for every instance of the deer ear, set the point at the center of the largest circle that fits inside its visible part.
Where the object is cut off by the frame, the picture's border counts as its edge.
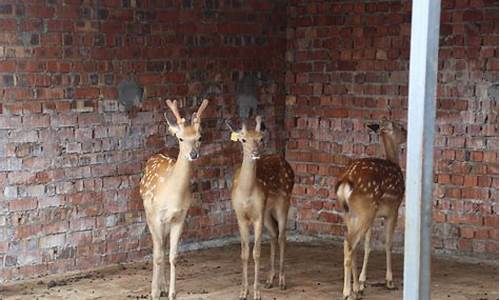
(263, 126)
(229, 125)
(404, 133)
(258, 123)
(172, 127)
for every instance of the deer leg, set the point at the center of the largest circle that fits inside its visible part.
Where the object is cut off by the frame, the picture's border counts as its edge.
(347, 257)
(245, 253)
(175, 233)
(347, 269)
(362, 276)
(256, 256)
(272, 228)
(356, 228)
(355, 282)
(158, 261)
(163, 269)
(282, 221)
(389, 232)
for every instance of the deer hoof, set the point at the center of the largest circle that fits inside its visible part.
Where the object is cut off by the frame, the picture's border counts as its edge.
(282, 283)
(155, 295)
(362, 286)
(256, 296)
(389, 284)
(243, 294)
(352, 296)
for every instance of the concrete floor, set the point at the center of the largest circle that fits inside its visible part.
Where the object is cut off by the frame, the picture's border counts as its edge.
(313, 272)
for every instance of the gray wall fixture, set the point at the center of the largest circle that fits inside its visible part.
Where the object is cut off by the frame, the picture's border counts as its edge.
(246, 96)
(130, 94)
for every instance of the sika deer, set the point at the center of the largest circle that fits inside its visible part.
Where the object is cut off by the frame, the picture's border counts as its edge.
(165, 190)
(370, 188)
(260, 194)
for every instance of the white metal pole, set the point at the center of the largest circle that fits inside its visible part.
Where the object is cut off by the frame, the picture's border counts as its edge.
(419, 175)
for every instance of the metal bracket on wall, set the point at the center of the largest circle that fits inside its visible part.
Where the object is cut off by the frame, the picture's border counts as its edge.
(130, 94)
(246, 96)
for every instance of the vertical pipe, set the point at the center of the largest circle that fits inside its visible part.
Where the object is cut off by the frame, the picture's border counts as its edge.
(419, 175)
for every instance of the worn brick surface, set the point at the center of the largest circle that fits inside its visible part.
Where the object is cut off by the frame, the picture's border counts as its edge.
(71, 156)
(347, 61)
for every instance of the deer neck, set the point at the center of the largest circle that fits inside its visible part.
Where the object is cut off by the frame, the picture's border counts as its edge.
(181, 172)
(391, 149)
(248, 172)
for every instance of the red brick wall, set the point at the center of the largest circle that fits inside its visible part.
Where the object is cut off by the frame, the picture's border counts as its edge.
(71, 157)
(347, 61)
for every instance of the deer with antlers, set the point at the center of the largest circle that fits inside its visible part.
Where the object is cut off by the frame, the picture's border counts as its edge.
(370, 188)
(260, 195)
(166, 194)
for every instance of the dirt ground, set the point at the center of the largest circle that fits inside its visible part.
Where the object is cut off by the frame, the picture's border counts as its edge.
(313, 272)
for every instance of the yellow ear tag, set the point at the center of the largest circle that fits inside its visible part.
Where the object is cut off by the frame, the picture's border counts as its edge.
(234, 136)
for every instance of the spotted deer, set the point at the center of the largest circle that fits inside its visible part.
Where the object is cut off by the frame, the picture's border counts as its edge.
(260, 195)
(165, 190)
(370, 188)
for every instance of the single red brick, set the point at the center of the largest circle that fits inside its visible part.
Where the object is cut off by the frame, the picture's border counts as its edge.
(22, 204)
(493, 234)
(465, 245)
(467, 232)
(81, 93)
(457, 179)
(470, 180)
(482, 234)
(474, 193)
(484, 181)
(491, 221)
(491, 247)
(490, 157)
(329, 217)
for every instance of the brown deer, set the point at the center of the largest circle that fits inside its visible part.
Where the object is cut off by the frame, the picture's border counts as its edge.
(370, 188)
(260, 195)
(165, 190)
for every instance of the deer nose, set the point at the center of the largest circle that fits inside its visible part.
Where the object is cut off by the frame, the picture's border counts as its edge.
(374, 127)
(194, 154)
(255, 154)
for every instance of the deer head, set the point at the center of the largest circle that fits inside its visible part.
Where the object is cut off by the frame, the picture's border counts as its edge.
(188, 135)
(391, 129)
(393, 135)
(252, 141)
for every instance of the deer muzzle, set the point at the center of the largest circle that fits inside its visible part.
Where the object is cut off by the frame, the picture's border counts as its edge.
(255, 155)
(194, 155)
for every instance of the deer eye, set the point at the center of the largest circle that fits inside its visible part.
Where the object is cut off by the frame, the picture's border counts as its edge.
(243, 140)
(181, 139)
(199, 139)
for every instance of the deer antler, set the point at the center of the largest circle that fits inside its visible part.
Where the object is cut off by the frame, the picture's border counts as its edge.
(203, 105)
(389, 109)
(175, 110)
(197, 115)
(258, 121)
